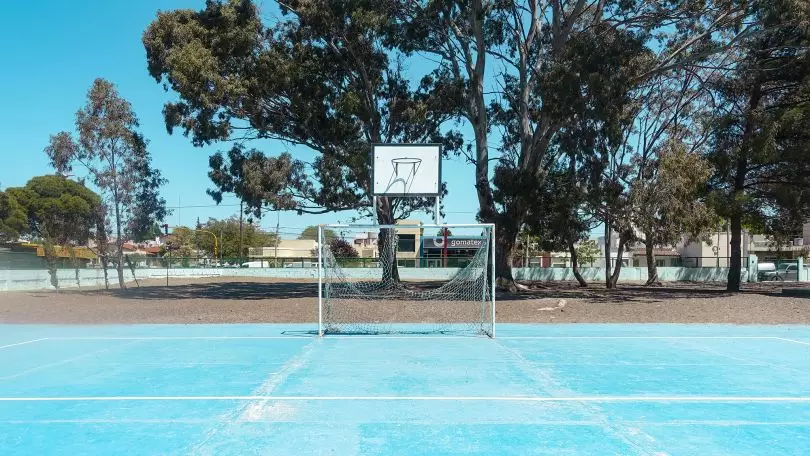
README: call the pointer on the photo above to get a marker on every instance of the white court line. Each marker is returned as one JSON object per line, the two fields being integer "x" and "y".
{"x": 633, "y": 337}
{"x": 414, "y": 337}
{"x": 182, "y": 338}
{"x": 792, "y": 340}
{"x": 63, "y": 361}
{"x": 738, "y": 399}
{"x": 308, "y": 337}
{"x": 544, "y": 422}
{"x": 23, "y": 343}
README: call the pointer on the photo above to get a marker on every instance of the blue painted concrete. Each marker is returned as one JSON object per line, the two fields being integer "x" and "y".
{"x": 717, "y": 390}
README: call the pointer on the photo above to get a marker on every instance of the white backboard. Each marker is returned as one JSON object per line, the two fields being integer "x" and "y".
{"x": 406, "y": 169}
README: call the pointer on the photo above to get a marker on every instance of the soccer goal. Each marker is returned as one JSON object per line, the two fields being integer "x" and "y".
{"x": 388, "y": 279}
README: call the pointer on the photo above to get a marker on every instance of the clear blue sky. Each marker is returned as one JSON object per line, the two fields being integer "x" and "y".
{"x": 52, "y": 52}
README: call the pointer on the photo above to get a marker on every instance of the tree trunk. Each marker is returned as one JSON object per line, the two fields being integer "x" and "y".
{"x": 652, "y": 268}
{"x": 132, "y": 270}
{"x": 104, "y": 265}
{"x": 505, "y": 240}
{"x": 50, "y": 260}
{"x": 735, "y": 264}
{"x": 386, "y": 242}
{"x": 503, "y": 267}
{"x": 74, "y": 261}
{"x": 119, "y": 266}
{"x": 617, "y": 268}
{"x": 506, "y": 229}
{"x": 101, "y": 247}
{"x": 735, "y": 220}
{"x": 575, "y": 264}
{"x": 119, "y": 244}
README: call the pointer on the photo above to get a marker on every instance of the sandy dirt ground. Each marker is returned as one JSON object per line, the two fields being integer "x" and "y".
{"x": 241, "y": 300}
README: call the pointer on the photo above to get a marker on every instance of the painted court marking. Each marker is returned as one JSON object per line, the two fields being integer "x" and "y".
{"x": 377, "y": 337}
{"x": 546, "y": 422}
{"x": 22, "y": 343}
{"x": 180, "y": 338}
{"x": 635, "y": 337}
{"x": 792, "y": 340}
{"x": 704, "y": 399}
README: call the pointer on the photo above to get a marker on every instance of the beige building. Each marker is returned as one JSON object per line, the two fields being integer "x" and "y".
{"x": 366, "y": 244}
{"x": 664, "y": 257}
{"x": 287, "y": 248}
{"x": 714, "y": 254}
{"x": 408, "y": 242}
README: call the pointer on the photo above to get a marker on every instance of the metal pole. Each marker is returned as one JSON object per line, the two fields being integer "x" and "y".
{"x": 241, "y": 215}
{"x": 425, "y": 225}
{"x": 275, "y": 253}
{"x": 438, "y": 216}
{"x": 492, "y": 296}
{"x": 485, "y": 286}
{"x": 320, "y": 282}
{"x": 444, "y": 246}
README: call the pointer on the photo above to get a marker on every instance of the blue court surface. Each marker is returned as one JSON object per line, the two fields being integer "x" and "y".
{"x": 276, "y": 390}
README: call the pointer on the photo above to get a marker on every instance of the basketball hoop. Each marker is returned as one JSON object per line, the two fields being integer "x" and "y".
{"x": 404, "y": 161}
{"x": 407, "y": 171}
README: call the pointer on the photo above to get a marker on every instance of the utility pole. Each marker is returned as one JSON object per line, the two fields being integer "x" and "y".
{"x": 444, "y": 246}
{"x": 241, "y": 215}
{"x": 275, "y": 254}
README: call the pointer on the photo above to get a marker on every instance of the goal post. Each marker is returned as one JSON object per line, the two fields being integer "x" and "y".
{"x": 406, "y": 278}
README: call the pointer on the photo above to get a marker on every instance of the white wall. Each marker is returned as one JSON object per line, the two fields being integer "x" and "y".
{"x": 23, "y": 280}
{"x": 665, "y": 274}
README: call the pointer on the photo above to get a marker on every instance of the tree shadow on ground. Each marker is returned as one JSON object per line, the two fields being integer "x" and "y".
{"x": 629, "y": 293}
{"x": 596, "y": 293}
{"x": 216, "y": 290}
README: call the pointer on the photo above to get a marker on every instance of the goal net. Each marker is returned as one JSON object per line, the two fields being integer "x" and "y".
{"x": 378, "y": 279}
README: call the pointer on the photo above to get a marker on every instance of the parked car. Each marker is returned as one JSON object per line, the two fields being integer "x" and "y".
{"x": 301, "y": 264}
{"x": 764, "y": 269}
{"x": 785, "y": 271}
{"x": 255, "y": 264}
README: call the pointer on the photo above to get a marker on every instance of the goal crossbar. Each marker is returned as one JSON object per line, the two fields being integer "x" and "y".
{"x": 426, "y": 225}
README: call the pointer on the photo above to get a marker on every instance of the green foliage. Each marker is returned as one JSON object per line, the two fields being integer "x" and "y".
{"x": 58, "y": 208}
{"x": 257, "y": 179}
{"x": 311, "y": 232}
{"x": 666, "y": 196}
{"x": 759, "y": 146}
{"x": 588, "y": 252}
{"x": 13, "y": 219}
{"x": 60, "y": 213}
{"x": 227, "y": 233}
{"x": 324, "y": 75}
{"x": 560, "y": 222}
{"x": 150, "y": 233}
{"x": 342, "y": 249}
{"x": 182, "y": 243}
{"x": 114, "y": 154}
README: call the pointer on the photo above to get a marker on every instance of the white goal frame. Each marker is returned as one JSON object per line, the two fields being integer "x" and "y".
{"x": 491, "y": 248}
